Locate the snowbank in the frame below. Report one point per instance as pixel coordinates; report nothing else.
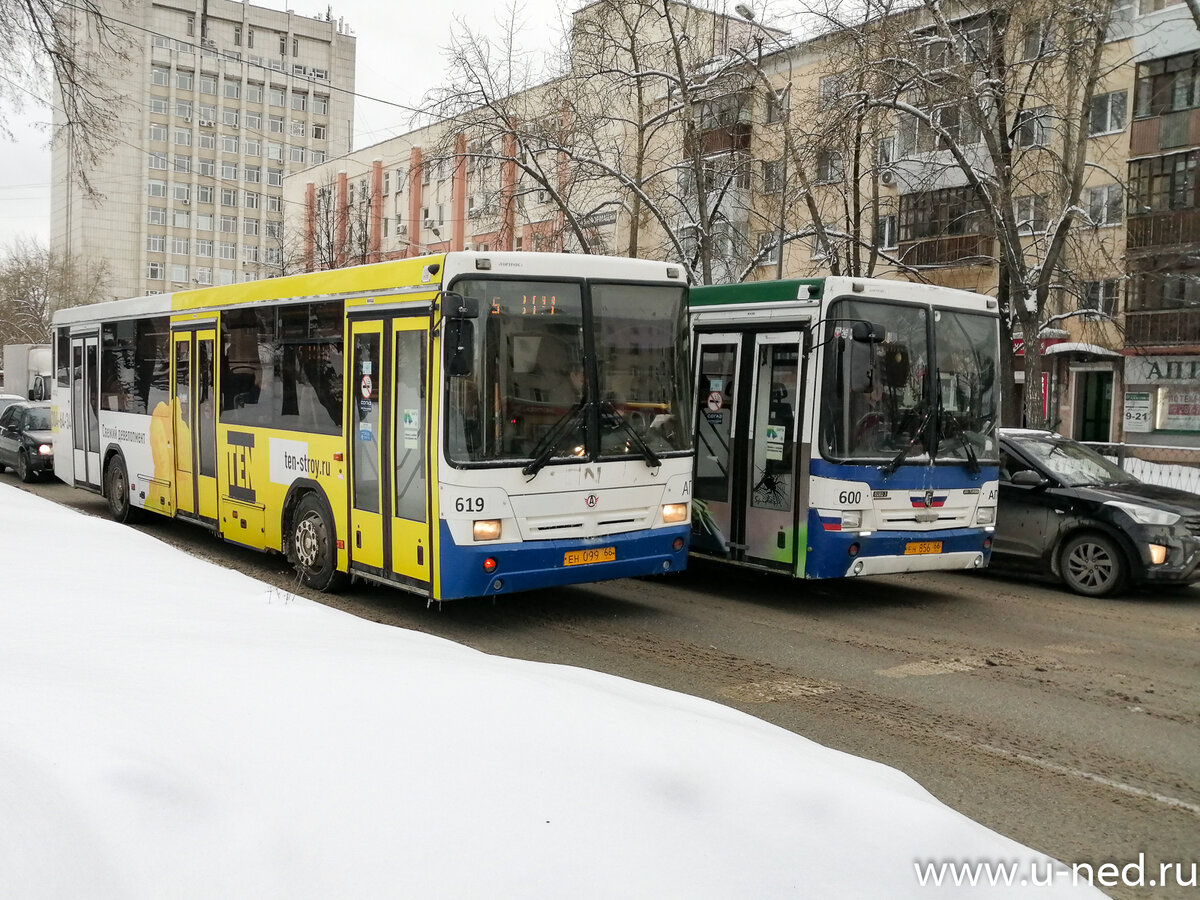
(175, 729)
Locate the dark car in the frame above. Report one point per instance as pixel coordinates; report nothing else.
(1067, 512)
(26, 442)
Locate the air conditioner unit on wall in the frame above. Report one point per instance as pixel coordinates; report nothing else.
(428, 223)
(887, 177)
(401, 229)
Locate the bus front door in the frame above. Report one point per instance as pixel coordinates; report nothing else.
(85, 408)
(193, 404)
(748, 389)
(389, 521)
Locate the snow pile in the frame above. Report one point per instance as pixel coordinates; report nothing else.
(175, 729)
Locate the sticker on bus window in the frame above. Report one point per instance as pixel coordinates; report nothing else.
(411, 427)
(364, 433)
(774, 437)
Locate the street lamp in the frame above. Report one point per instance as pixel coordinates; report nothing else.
(747, 13)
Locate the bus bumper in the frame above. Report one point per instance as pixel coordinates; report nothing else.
(539, 564)
(835, 554)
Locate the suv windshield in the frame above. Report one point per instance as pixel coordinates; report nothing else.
(1072, 463)
(892, 416)
(967, 352)
(534, 389)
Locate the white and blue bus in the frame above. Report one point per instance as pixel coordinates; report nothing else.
(455, 425)
(845, 426)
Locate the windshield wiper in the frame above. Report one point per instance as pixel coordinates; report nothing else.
(544, 449)
(890, 467)
(652, 460)
(972, 459)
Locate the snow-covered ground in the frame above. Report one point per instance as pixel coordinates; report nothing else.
(174, 729)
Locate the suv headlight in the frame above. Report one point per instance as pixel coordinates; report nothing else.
(1145, 515)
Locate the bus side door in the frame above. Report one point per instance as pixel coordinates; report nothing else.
(389, 500)
(193, 404)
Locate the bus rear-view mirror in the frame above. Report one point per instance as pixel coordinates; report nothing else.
(460, 344)
(868, 333)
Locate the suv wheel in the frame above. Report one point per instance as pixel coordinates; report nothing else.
(25, 468)
(1093, 565)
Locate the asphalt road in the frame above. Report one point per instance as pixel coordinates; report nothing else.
(1069, 724)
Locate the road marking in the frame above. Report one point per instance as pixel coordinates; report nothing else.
(925, 667)
(1121, 786)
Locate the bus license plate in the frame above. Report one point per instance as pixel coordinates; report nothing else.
(593, 555)
(923, 547)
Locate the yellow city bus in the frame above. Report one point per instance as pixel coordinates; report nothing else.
(457, 425)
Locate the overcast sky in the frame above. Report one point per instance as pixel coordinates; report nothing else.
(400, 57)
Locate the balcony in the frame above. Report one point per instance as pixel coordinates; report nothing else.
(1166, 229)
(963, 249)
(726, 139)
(1162, 327)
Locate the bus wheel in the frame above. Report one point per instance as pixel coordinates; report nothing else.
(116, 491)
(312, 545)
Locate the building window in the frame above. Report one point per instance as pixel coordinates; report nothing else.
(274, 230)
(156, 215)
(250, 226)
(229, 116)
(182, 163)
(829, 166)
(158, 106)
(160, 76)
(156, 243)
(203, 274)
(252, 147)
(183, 109)
(299, 101)
(1167, 85)
(208, 84)
(183, 193)
(229, 171)
(183, 137)
(254, 92)
(297, 128)
(228, 250)
(253, 121)
(204, 221)
(317, 156)
(229, 143)
(208, 140)
(1100, 297)
(318, 132)
(250, 254)
(885, 152)
(237, 35)
(183, 81)
(232, 89)
(179, 273)
(251, 199)
(320, 104)
(885, 232)
(229, 224)
(1107, 113)
(297, 154)
(274, 204)
(1162, 183)
(229, 196)
(275, 177)
(1038, 40)
(772, 176)
(204, 247)
(777, 105)
(1030, 214)
(181, 218)
(191, 26)
(275, 152)
(154, 271)
(157, 161)
(253, 174)
(944, 213)
(180, 246)
(156, 188)
(278, 98)
(275, 124)
(1105, 204)
(768, 248)
(206, 167)
(1033, 127)
(158, 132)
(295, 46)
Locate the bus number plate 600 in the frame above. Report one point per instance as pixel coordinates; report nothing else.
(592, 555)
(923, 547)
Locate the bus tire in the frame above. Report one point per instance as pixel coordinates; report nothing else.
(116, 492)
(313, 545)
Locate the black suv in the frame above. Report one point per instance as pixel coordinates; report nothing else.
(1068, 512)
(26, 441)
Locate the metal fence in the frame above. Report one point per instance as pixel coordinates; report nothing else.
(1174, 467)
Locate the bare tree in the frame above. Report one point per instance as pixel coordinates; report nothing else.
(336, 229)
(77, 45)
(34, 283)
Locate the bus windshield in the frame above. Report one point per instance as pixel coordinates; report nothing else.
(888, 418)
(530, 391)
(966, 348)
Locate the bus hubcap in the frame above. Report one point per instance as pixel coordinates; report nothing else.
(308, 543)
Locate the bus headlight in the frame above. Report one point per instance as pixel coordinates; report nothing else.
(985, 515)
(674, 512)
(851, 519)
(486, 530)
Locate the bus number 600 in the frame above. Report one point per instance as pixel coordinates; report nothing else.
(850, 497)
(468, 504)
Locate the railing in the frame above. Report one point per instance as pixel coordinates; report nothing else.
(1173, 467)
(966, 249)
(1165, 229)
(1168, 326)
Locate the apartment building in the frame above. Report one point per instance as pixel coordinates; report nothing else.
(224, 100)
(787, 144)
